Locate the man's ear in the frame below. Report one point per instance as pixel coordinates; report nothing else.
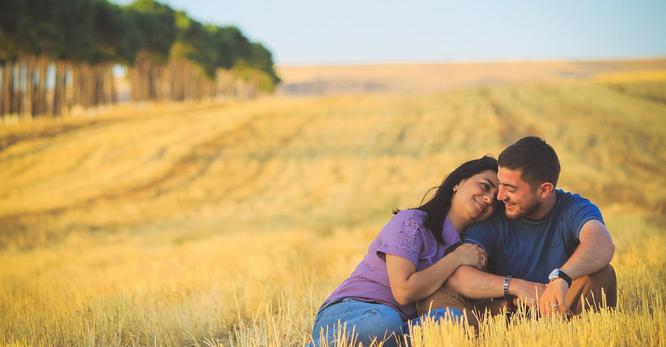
(545, 189)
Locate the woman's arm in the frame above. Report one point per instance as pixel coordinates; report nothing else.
(409, 286)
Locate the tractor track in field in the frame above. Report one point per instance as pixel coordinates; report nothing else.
(178, 169)
(261, 155)
(51, 132)
(60, 134)
(180, 175)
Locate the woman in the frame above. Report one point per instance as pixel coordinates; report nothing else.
(408, 260)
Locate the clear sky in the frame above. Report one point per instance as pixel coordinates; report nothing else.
(370, 31)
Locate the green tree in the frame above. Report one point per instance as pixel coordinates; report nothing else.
(78, 41)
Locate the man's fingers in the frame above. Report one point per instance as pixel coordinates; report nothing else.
(561, 305)
(540, 287)
(538, 293)
(542, 307)
(548, 305)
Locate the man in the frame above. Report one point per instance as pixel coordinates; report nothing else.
(547, 249)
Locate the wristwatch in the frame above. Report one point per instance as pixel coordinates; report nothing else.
(557, 273)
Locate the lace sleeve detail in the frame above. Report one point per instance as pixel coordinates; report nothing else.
(402, 236)
(408, 235)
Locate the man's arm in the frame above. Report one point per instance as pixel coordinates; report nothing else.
(476, 284)
(593, 253)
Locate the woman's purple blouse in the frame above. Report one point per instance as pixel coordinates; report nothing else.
(405, 235)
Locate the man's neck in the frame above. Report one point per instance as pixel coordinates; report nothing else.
(546, 206)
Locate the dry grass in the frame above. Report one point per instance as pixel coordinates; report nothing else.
(228, 223)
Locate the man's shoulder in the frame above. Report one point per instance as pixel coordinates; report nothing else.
(496, 222)
(487, 234)
(569, 201)
(574, 211)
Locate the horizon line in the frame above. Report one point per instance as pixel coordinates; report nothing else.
(476, 61)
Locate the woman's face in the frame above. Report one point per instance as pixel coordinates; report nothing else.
(474, 197)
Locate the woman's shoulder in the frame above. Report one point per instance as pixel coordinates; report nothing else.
(406, 230)
(410, 219)
(411, 213)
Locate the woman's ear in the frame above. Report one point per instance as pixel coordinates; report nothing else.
(455, 188)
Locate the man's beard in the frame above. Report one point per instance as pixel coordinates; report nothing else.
(530, 210)
(527, 211)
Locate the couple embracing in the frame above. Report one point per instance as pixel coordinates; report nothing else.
(496, 233)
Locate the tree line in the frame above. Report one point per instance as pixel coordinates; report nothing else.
(56, 54)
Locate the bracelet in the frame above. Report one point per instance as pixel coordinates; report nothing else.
(507, 280)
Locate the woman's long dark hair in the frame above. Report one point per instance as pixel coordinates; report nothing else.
(438, 207)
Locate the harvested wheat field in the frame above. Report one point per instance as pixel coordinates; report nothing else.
(227, 223)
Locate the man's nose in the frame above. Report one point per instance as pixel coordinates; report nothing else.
(500, 193)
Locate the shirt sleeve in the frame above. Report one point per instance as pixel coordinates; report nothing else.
(582, 211)
(402, 237)
(483, 235)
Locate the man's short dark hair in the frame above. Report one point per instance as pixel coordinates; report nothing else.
(536, 160)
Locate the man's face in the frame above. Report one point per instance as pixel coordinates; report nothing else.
(520, 200)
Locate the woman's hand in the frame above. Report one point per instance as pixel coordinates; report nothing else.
(470, 254)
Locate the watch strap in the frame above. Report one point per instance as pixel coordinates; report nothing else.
(561, 274)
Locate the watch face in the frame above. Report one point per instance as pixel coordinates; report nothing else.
(554, 274)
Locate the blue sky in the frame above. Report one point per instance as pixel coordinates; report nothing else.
(371, 31)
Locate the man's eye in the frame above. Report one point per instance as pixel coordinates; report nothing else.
(485, 186)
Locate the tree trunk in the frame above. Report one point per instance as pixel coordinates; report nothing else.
(40, 104)
(95, 93)
(98, 85)
(7, 87)
(112, 79)
(151, 77)
(15, 100)
(74, 90)
(68, 87)
(58, 89)
(90, 86)
(27, 88)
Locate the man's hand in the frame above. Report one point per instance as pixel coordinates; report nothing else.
(552, 300)
(526, 291)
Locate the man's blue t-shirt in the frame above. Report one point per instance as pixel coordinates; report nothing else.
(532, 249)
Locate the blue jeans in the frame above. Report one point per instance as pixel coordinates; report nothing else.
(368, 320)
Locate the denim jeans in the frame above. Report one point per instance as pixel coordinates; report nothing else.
(367, 320)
